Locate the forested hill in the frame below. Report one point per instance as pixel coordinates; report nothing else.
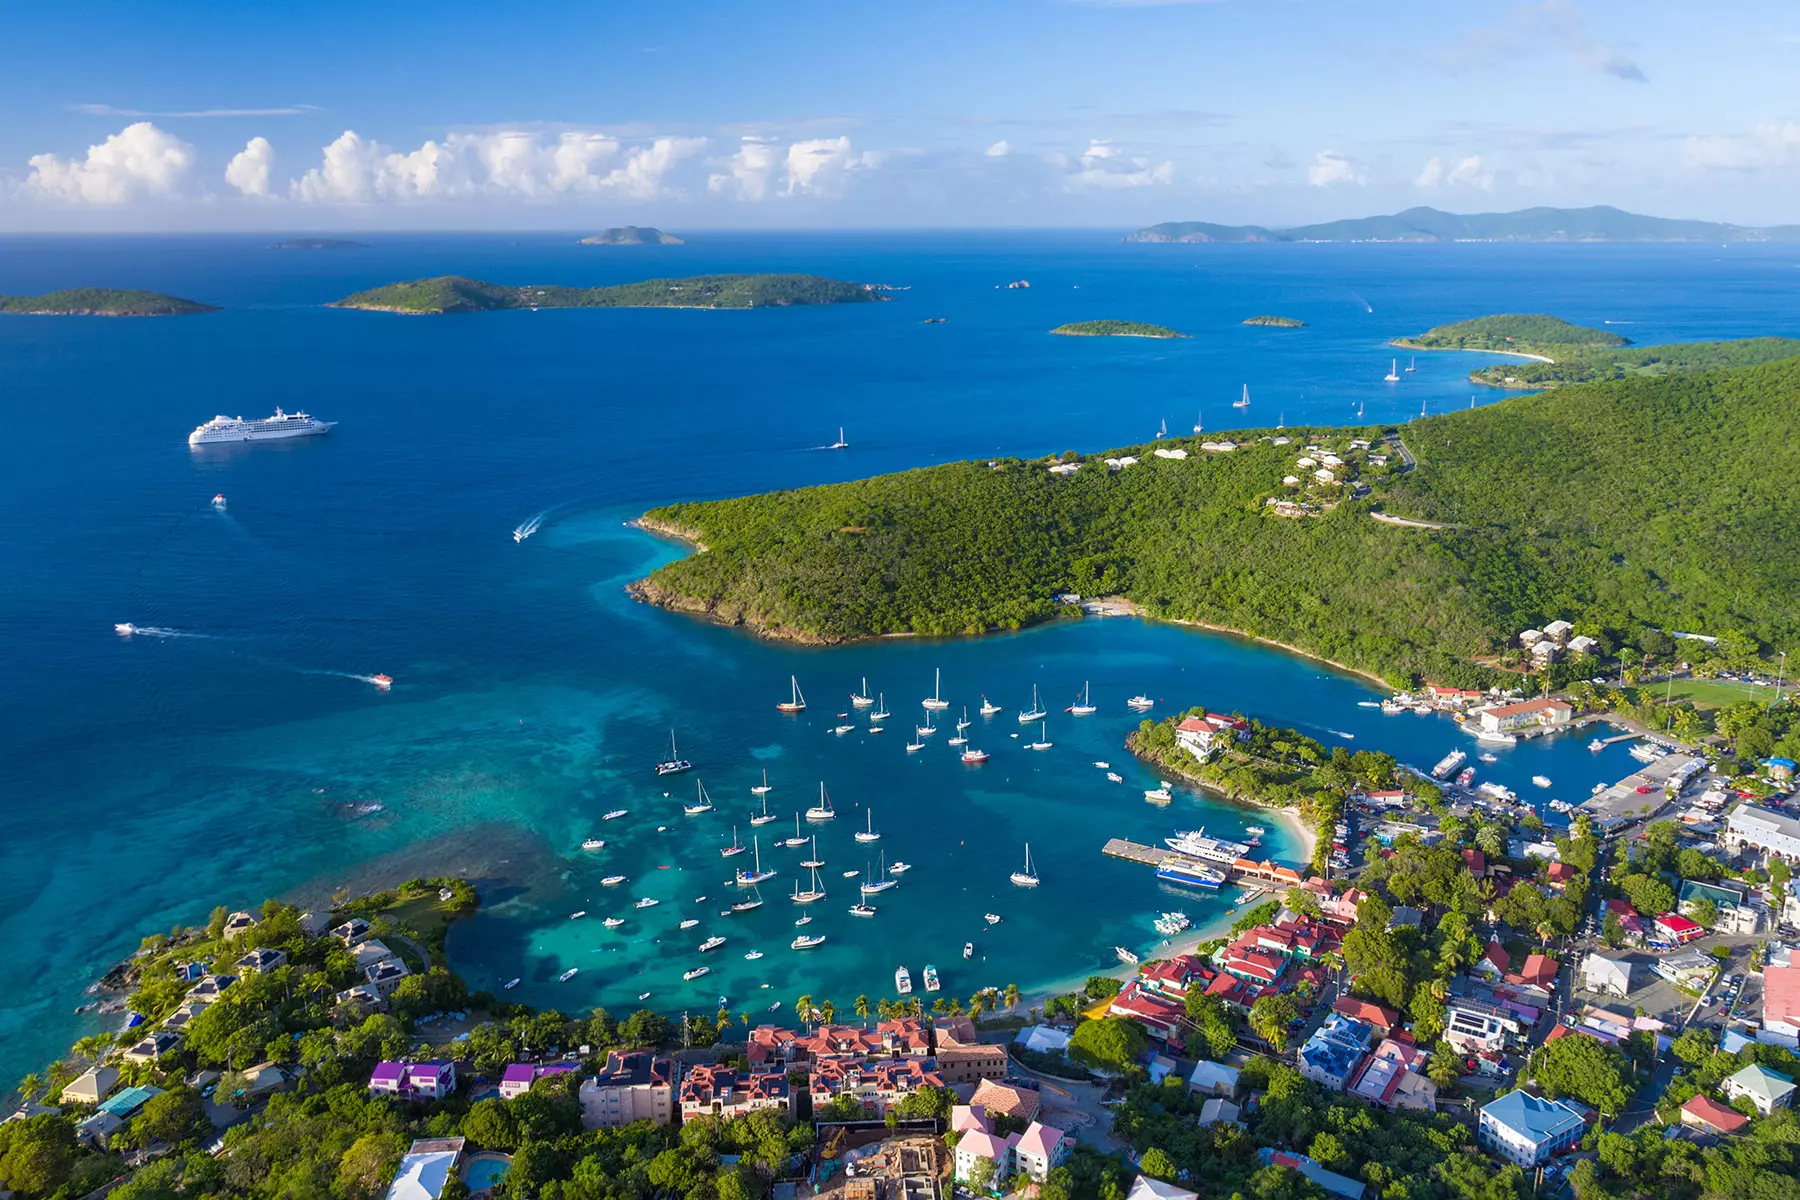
(1600, 223)
(458, 294)
(102, 302)
(1663, 502)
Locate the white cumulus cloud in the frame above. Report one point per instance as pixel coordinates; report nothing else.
(1104, 166)
(248, 171)
(1776, 144)
(1329, 168)
(999, 149)
(139, 162)
(1471, 171)
(642, 175)
(749, 173)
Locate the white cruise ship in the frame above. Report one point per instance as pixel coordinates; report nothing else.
(1213, 849)
(236, 429)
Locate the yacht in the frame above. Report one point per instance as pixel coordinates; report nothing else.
(862, 908)
(674, 764)
(931, 978)
(1255, 831)
(958, 740)
(900, 868)
(1084, 707)
(712, 943)
(849, 874)
(814, 892)
(925, 730)
(903, 981)
(689, 923)
(862, 699)
(576, 916)
(1245, 401)
(615, 814)
(384, 682)
(753, 956)
(1126, 956)
(796, 703)
(807, 943)
(736, 848)
(762, 789)
(991, 918)
(973, 755)
(1141, 702)
(765, 817)
(1446, 766)
(1160, 794)
(702, 802)
(1542, 781)
(1043, 742)
(696, 973)
(1027, 877)
(988, 708)
(265, 429)
(1393, 375)
(510, 985)
(798, 839)
(968, 949)
(965, 722)
(841, 730)
(1199, 421)
(869, 834)
(804, 920)
(218, 501)
(1413, 365)
(881, 713)
(1034, 713)
(1196, 844)
(613, 922)
(936, 701)
(822, 811)
(612, 881)
(594, 844)
(840, 444)
(815, 860)
(1171, 923)
(567, 975)
(914, 747)
(755, 902)
(874, 887)
(756, 874)
(646, 902)
(1485, 757)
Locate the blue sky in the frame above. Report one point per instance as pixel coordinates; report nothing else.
(690, 113)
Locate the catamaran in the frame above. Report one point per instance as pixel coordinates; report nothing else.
(762, 789)
(988, 708)
(1245, 402)
(674, 764)
(756, 875)
(936, 701)
(702, 803)
(1034, 713)
(862, 699)
(822, 811)
(1027, 877)
(872, 887)
(1199, 422)
(797, 703)
(815, 892)
(735, 848)
(765, 817)
(869, 834)
(1043, 742)
(1085, 707)
(799, 839)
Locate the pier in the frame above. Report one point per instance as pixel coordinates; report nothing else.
(1154, 856)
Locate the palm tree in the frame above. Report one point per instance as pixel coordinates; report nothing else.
(826, 1011)
(917, 1005)
(744, 1020)
(940, 1006)
(862, 1008)
(1012, 996)
(977, 1003)
(803, 1005)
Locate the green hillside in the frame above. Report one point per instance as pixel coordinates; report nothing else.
(1116, 329)
(1595, 365)
(457, 294)
(1518, 333)
(1647, 501)
(102, 302)
(1600, 223)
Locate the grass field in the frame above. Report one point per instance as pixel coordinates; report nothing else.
(1710, 693)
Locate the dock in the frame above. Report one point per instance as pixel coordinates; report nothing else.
(1137, 852)
(1155, 856)
(1618, 737)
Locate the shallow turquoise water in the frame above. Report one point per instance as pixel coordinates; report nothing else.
(144, 780)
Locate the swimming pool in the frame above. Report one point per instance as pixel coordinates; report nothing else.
(486, 1170)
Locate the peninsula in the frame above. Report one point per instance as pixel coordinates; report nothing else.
(1116, 329)
(631, 235)
(318, 244)
(1513, 333)
(458, 294)
(1601, 223)
(102, 302)
(1561, 507)
(1276, 322)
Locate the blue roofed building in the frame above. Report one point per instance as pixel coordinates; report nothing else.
(128, 1100)
(1331, 1055)
(1526, 1129)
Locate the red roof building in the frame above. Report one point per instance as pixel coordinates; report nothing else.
(1476, 861)
(1706, 1113)
(1235, 992)
(1539, 971)
(1559, 875)
(1248, 963)
(1380, 1016)
(1173, 976)
(1161, 1016)
(1678, 929)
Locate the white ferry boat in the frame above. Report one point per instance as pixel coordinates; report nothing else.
(1197, 845)
(1446, 766)
(267, 429)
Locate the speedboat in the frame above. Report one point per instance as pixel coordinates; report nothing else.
(612, 881)
(690, 923)
(968, 949)
(593, 844)
(711, 943)
(1160, 794)
(976, 756)
(1115, 777)
(577, 915)
(1126, 956)
(849, 874)
(1484, 756)
(643, 995)
(696, 973)
(218, 501)
(615, 814)
(1102, 766)
(613, 922)
(931, 978)
(510, 985)
(807, 943)
(646, 902)
(124, 628)
(567, 975)
(753, 956)
(384, 682)
(900, 868)
(1542, 781)
(1141, 703)
(903, 981)
(991, 918)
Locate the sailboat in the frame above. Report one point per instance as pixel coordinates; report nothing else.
(965, 722)
(840, 444)
(869, 834)
(885, 882)
(1393, 375)
(762, 789)
(1199, 425)
(1027, 877)
(822, 811)
(936, 702)
(1034, 713)
(702, 802)
(797, 703)
(1422, 407)
(754, 902)
(961, 738)
(862, 699)
(1043, 742)
(1413, 365)
(988, 707)
(674, 764)
(756, 875)
(881, 713)
(1162, 430)
(1245, 402)
(1086, 707)
(927, 729)
(815, 861)
(798, 839)
(735, 848)
(765, 817)
(812, 893)
(1359, 411)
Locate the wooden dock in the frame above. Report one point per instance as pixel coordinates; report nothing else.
(1137, 852)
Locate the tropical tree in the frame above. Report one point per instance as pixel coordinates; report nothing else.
(1270, 1017)
(862, 1008)
(1012, 996)
(827, 1011)
(803, 1005)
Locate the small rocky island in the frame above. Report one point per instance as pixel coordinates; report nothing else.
(631, 235)
(317, 244)
(1116, 329)
(459, 294)
(1276, 322)
(102, 302)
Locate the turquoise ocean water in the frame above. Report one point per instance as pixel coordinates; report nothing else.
(239, 753)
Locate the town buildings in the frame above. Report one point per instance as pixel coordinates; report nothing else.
(426, 1168)
(1767, 1090)
(1393, 1078)
(1607, 976)
(1032, 1154)
(1749, 825)
(1547, 713)
(633, 1086)
(517, 1079)
(719, 1091)
(1334, 1052)
(413, 1081)
(1781, 1007)
(1526, 1129)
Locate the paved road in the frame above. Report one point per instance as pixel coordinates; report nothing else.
(1084, 1098)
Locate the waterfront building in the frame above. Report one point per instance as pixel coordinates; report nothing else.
(633, 1086)
(1548, 713)
(1526, 1129)
(877, 1085)
(153, 1047)
(125, 1103)
(1767, 1090)
(238, 923)
(426, 1168)
(517, 1079)
(710, 1090)
(352, 932)
(1161, 1016)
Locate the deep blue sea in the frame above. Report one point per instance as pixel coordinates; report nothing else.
(239, 753)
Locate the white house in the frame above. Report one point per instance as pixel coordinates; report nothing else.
(1768, 1090)
(1527, 1129)
(1040, 1149)
(1213, 1079)
(1608, 976)
(1763, 829)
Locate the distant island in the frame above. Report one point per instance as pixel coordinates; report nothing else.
(631, 235)
(1116, 329)
(318, 244)
(102, 302)
(1276, 322)
(1563, 353)
(1598, 224)
(458, 294)
(1642, 503)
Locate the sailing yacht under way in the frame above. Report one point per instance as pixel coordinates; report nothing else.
(1393, 375)
(1035, 712)
(1083, 707)
(869, 834)
(862, 699)
(840, 444)
(1245, 402)
(674, 764)
(797, 703)
(1027, 877)
(1413, 365)
(1199, 423)
(756, 875)
(936, 701)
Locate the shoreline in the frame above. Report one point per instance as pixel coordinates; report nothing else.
(1404, 345)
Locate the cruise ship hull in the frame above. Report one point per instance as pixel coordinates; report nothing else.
(217, 436)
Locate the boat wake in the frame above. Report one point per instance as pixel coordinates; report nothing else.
(380, 681)
(527, 528)
(1348, 737)
(126, 629)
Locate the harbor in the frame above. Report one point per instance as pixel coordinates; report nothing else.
(1199, 872)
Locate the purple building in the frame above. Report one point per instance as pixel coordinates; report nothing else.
(413, 1081)
(520, 1076)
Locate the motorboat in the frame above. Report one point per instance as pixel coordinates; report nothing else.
(615, 814)
(968, 949)
(711, 943)
(1141, 703)
(646, 902)
(690, 923)
(903, 981)
(696, 973)
(807, 943)
(1159, 794)
(1115, 777)
(578, 914)
(593, 844)
(612, 881)
(972, 755)
(1126, 956)
(510, 985)
(613, 922)
(900, 868)
(861, 909)
(991, 918)
(753, 956)
(988, 709)
(1026, 877)
(1542, 781)
(384, 682)
(931, 978)
(568, 975)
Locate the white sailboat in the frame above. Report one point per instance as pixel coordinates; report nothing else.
(822, 811)
(1245, 402)
(799, 839)
(797, 703)
(702, 802)
(1199, 423)
(674, 764)
(815, 862)
(1086, 707)
(881, 713)
(1393, 375)
(936, 701)
(1034, 713)
(869, 834)
(1043, 742)
(762, 789)
(1413, 365)
(965, 722)
(840, 444)
(735, 848)
(765, 817)
(816, 891)
(862, 699)
(756, 875)
(886, 882)
(927, 729)
(1027, 877)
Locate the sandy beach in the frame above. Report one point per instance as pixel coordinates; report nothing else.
(1303, 832)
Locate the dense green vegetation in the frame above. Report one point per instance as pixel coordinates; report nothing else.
(455, 294)
(102, 302)
(1519, 333)
(1628, 507)
(1116, 329)
(1593, 366)
(1276, 322)
(1600, 223)
(631, 235)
